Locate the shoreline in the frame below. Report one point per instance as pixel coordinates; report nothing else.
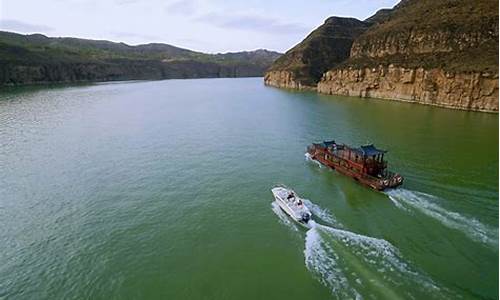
(91, 82)
(314, 89)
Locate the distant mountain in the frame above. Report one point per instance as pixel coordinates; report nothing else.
(442, 53)
(36, 58)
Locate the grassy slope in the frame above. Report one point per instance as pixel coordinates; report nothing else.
(456, 17)
(324, 48)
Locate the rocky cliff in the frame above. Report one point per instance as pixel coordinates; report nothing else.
(442, 53)
(285, 79)
(30, 59)
(302, 66)
(471, 91)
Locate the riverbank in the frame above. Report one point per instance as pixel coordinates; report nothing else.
(36, 58)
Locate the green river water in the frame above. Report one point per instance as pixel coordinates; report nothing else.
(161, 190)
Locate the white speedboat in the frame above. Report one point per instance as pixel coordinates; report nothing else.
(291, 204)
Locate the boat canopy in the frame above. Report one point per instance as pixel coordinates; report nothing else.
(370, 150)
(365, 150)
(328, 143)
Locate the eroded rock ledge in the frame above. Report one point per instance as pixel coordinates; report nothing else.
(285, 79)
(476, 91)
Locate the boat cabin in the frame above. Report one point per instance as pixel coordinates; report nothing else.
(366, 159)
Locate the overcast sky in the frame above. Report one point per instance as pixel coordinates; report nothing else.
(203, 25)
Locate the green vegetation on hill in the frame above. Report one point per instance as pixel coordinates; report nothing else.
(455, 35)
(36, 58)
(457, 15)
(452, 35)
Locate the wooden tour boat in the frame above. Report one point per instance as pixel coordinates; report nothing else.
(365, 164)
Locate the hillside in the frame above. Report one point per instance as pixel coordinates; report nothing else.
(27, 59)
(442, 53)
(456, 35)
(326, 46)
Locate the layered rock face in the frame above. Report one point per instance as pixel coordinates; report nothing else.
(469, 91)
(413, 42)
(302, 66)
(285, 79)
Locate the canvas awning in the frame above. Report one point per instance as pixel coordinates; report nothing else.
(370, 150)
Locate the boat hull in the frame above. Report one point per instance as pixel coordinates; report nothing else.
(296, 216)
(286, 209)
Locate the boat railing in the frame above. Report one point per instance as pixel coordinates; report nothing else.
(389, 175)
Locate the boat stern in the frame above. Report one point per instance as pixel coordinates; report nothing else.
(306, 216)
(395, 181)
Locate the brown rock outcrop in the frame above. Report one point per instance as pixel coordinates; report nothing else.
(302, 66)
(285, 79)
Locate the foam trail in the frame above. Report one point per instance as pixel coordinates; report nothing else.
(309, 158)
(322, 260)
(397, 204)
(354, 266)
(323, 213)
(426, 204)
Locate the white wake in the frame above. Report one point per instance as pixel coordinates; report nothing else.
(322, 261)
(428, 204)
(309, 158)
(355, 266)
